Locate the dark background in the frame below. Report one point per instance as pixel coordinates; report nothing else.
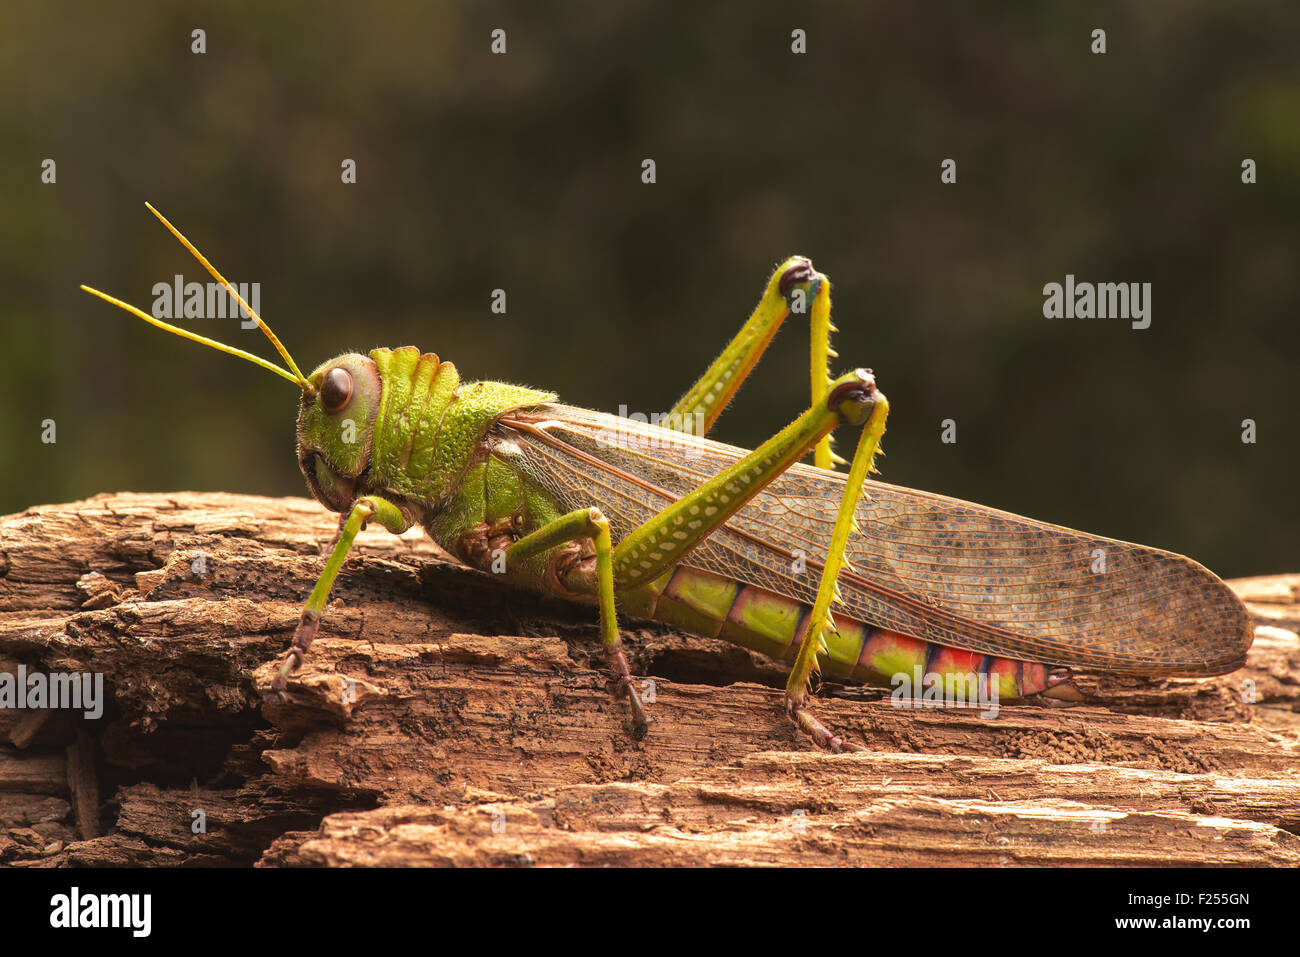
(522, 171)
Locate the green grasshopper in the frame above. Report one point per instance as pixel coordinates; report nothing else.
(750, 546)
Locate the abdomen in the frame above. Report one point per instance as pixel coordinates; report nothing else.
(775, 625)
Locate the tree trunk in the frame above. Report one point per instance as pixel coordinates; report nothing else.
(443, 718)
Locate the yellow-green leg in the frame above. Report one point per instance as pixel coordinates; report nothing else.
(652, 548)
(820, 621)
(659, 544)
(795, 287)
(590, 523)
(363, 509)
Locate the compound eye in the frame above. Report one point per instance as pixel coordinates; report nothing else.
(336, 390)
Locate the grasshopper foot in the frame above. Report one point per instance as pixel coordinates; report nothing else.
(621, 679)
(821, 736)
(302, 639)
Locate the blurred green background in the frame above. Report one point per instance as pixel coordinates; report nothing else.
(522, 172)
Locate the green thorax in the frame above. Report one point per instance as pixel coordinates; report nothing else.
(429, 424)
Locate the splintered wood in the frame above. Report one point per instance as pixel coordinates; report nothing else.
(445, 719)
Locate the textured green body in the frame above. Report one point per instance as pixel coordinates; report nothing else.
(452, 457)
(432, 453)
(429, 425)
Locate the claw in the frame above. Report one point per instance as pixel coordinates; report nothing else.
(623, 684)
(308, 625)
(821, 736)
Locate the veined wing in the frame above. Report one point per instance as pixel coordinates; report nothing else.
(934, 567)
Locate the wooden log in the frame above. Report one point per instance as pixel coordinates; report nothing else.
(443, 718)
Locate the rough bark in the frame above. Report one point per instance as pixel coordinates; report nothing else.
(445, 719)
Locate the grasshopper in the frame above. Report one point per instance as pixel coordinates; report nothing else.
(863, 581)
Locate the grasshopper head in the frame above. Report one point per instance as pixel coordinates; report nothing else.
(340, 400)
(336, 425)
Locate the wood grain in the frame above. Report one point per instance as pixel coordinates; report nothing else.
(444, 719)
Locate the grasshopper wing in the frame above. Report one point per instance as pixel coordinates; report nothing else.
(938, 568)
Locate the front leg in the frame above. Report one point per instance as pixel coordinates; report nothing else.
(363, 509)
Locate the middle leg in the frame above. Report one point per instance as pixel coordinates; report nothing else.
(590, 523)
